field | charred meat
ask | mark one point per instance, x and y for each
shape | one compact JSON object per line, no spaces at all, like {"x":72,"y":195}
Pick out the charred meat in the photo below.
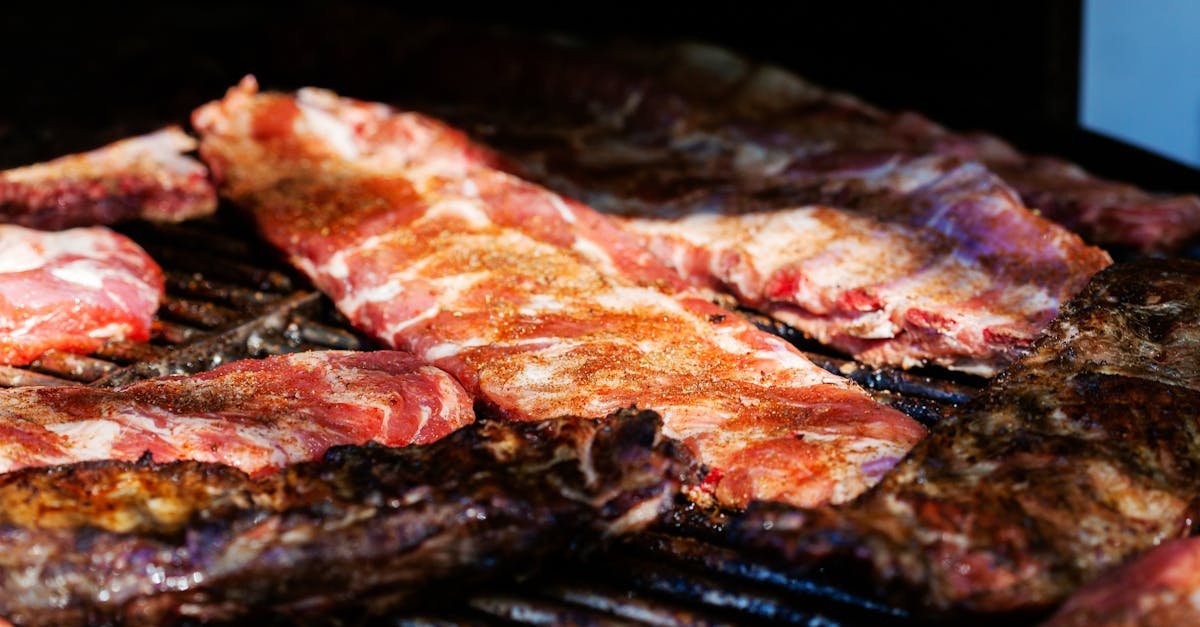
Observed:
{"x":367,"y":528}
{"x":1085,"y":453}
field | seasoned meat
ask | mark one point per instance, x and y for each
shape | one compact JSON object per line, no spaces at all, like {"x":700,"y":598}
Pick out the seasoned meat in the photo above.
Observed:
{"x":141,"y":177}
{"x":72,"y":290}
{"x":368,"y":528}
{"x":896,"y":259}
{"x":1158,"y":588}
{"x":540,"y":306}
{"x":255,"y":415}
{"x":1080,"y":456}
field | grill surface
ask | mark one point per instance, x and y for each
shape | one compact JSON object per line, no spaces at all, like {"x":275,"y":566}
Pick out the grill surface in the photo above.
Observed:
{"x":229,"y":297}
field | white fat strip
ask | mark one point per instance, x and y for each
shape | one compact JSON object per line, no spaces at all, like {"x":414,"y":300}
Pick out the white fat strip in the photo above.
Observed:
{"x":87,"y":273}
{"x":537,"y":375}
{"x":382,"y":293}
{"x":112,"y":330}
{"x":27,"y":324}
{"x":337,"y":134}
{"x":561,"y":207}
{"x":468,"y":211}
{"x":541,"y":303}
{"x":24,"y":249}
{"x":450,"y":349}
{"x":88,"y":439}
{"x":596,"y":255}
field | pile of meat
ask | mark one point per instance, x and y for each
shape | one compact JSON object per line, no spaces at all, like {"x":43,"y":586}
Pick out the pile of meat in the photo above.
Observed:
{"x":558,"y":372}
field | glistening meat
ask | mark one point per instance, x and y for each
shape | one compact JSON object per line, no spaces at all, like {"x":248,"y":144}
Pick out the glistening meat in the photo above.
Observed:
{"x":72,"y":291}
{"x":255,"y":415}
{"x":141,"y":177}
{"x":540,"y":306}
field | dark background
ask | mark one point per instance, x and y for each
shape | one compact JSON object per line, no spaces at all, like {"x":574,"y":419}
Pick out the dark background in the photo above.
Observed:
{"x":74,"y":78}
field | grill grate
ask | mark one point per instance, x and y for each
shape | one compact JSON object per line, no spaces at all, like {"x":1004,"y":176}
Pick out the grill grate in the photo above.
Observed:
{"x":229,"y":297}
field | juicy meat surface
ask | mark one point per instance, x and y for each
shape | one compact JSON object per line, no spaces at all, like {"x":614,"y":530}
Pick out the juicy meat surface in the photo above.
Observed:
{"x":141,"y":177}
{"x":72,"y":290}
{"x":1082,"y":455}
{"x":366,"y":529}
{"x":257,"y":415}
{"x":1161,"y":587}
{"x":896,"y":259}
{"x":540,"y":306}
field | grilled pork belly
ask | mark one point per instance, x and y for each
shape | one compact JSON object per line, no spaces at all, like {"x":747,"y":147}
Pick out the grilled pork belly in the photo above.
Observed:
{"x":366,"y":529}
{"x":1161,"y":587}
{"x":72,"y":291}
{"x":254,"y":415}
{"x":898,"y":259}
{"x":540,"y":306}
{"x":141,"y":177}
{"x":1080,"y":456}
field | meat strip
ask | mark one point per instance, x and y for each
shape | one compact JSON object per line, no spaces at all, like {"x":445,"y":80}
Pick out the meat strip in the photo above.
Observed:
{"x":72,"y":290}
{"x":537,"y":304}
{"x":362,"y":532}
{"x":1084,"y":454}
{"x":254,"y":415}
{"x":873,"y":247}
{"x":145,"y":177}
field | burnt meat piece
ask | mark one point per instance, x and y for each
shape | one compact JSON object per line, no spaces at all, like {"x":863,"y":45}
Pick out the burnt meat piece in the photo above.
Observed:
{"x":1082,"y":455}
{"x":367,"y":527}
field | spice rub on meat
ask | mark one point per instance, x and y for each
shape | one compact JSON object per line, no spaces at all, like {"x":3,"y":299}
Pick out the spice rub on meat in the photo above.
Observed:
{"x":540,"y":306}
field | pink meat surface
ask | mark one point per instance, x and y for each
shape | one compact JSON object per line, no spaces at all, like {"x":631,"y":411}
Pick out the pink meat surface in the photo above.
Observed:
{"x":141,"y":177}
{"x":72,"y":291}
{"x":256,"y":415}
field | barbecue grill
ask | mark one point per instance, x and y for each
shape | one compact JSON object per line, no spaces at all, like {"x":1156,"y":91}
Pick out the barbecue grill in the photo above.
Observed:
{"x":229,"y":297}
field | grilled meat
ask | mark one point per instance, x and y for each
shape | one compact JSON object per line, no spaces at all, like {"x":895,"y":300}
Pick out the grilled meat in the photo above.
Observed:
{"x":140,"y":177}
{"x":1158,"y":588}
{"x":255,"y":415}
{"x":538,"y":305}
{"x":1081,"y":455}
{"x":896,"y":259}
{"x":368,"y":528}
{"x":72,"y":290}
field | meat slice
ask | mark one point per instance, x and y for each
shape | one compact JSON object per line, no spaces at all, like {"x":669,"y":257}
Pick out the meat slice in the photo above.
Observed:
{"x":364,"y":531}
{"x":897,"y":258}
{"x":1080,"y":456}
{"x":1158,"y":588}
{"x":538,"y":305}
{"x":141,"y":177}
{"x":255,"y":415}
{"x":72,"y":291}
